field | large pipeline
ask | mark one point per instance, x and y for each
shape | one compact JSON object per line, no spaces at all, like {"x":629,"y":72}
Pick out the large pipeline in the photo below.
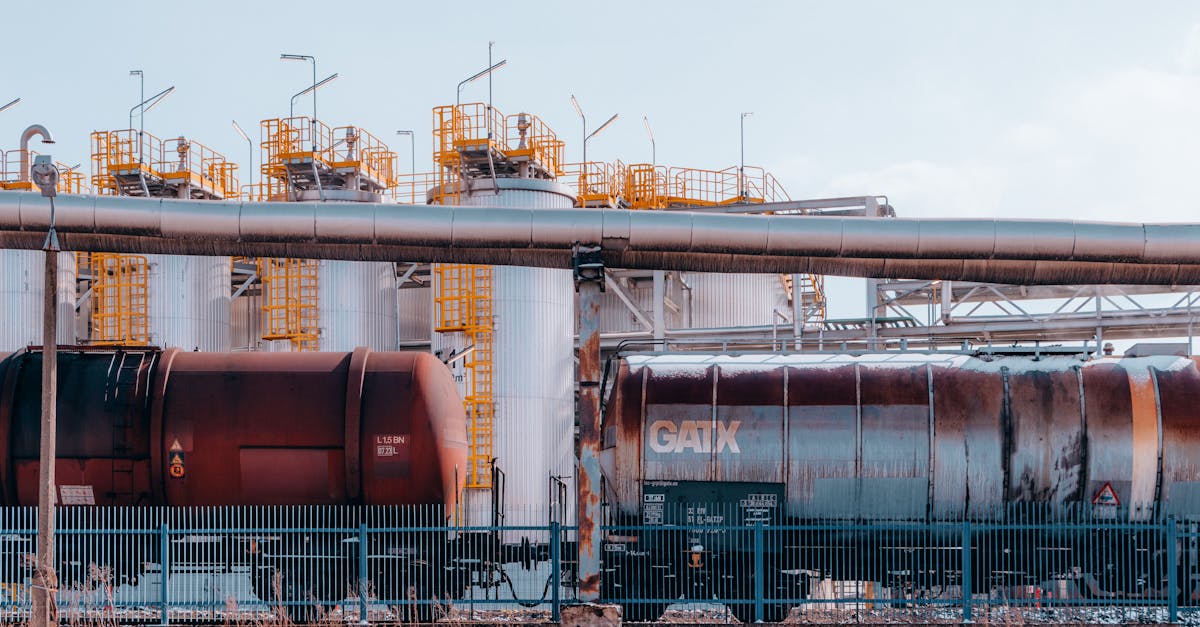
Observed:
{"x":1025,"y":252}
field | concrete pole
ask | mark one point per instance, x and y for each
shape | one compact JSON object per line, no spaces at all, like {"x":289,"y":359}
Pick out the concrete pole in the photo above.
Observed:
{"x":45,"y":583}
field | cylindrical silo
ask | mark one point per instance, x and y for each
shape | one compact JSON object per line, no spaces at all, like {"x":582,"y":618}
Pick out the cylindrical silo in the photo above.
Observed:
{"x":356,"y":305}
{"x":533,"y":358}
{"x":414,"y":308}
{"x":735,"y":300}
{"x":22,"y":278}
{"x":189,"y":302}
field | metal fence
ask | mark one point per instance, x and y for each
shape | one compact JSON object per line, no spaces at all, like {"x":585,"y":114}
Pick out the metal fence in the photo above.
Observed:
{"x":309,"y":564}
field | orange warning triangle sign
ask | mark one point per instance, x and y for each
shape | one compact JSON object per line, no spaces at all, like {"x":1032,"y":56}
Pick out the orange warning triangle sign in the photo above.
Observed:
{"x":176,"y":459}
{"x":1106,"y":496}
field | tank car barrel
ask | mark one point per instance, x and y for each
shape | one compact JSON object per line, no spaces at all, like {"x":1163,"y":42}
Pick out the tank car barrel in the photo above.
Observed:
{"x":144,"y":427}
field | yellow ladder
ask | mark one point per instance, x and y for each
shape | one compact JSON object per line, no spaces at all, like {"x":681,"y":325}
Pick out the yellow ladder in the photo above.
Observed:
{"x":119,"y":302}
{"x":810,"y":291}
{"x":289,"y":301}
{"x":463,"y":303}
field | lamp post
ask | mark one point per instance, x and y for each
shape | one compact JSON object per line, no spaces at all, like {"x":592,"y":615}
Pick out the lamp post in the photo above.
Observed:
{"x":412,"y":143}
{"x":310,"y":89}
{"x":144,"y":106}
{"x":653,"y":147}
{"x":141,"y":96}
{"x":491,"y":44}
{"x":586,"y":137}
{"x":475,"y":77}
{"x":306,"y":57}
{"x":313,"y":90}
{"x":742,"y":160}
{"x":250,"y":145}
{"x":9,"y":105}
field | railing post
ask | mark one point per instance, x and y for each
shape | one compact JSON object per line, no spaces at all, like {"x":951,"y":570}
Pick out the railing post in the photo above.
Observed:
{"x":758,"y":571}
{"x":164,"y":566}
{"x":555,"y":570}
{"x":966,"y":571}
{"x":362,"y":573}
{"x":1172,"y":571}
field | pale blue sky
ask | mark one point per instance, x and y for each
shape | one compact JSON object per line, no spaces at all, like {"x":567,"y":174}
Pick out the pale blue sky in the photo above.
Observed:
{"x":1065,"y":109}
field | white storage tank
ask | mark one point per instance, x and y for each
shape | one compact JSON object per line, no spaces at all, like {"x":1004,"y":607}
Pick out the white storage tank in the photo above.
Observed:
{"x":533,"y":360}
{"x":414,"y":310}
{"x":22,"y":279}
{"x":356,"y":305}
{"x":736,"y":300}
{"x":189,"y":302}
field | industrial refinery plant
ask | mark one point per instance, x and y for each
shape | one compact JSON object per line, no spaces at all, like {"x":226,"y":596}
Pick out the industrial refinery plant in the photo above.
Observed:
{"x":309,"y":387}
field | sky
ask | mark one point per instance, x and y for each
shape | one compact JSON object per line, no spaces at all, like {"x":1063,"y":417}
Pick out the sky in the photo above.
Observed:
{"x":1076,"y":110}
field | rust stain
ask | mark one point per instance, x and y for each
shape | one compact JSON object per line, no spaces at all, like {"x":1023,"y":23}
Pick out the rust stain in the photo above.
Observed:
{"x":1144,"y":421}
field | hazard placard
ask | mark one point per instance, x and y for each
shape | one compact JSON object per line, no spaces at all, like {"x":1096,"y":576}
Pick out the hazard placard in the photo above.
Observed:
{"x":1106,"y":496}
{"x":175,"y":466}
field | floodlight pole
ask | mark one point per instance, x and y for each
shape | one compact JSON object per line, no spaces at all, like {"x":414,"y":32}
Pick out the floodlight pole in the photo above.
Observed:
{"x":412,"y":144}
{"x":742,"y":160}
{"x":250,"y":145}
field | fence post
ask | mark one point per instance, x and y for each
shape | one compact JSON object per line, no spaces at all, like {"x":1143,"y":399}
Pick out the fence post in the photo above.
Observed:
{"x":555,"y":571}
{"x":164,"y":561}
{"x":967,"y":593}
{"x":362,"y":573}
{"x":758,"y":571}
{"x":1172,"y":571}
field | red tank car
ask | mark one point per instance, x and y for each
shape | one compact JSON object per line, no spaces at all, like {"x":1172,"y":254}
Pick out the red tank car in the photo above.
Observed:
{"x":143,"y":427}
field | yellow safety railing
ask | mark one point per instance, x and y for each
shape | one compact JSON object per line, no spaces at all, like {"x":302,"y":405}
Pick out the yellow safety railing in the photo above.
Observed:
{"x":289,"y":301}
{"x":693,"y":187}
{"x":463,"y":304}
{"x":296,"y":138}
{"x":223,"y":175}
{"x":119,"y":299}
{"x":468,"y":127}
{"x":596,"y":183}
{"x":70,"y":180}
{"x":355,"y":148}
{"x":175,"y":162}
{"x":529,"y":137}
{"x":413,"y":189}
{"x":646,"y":186}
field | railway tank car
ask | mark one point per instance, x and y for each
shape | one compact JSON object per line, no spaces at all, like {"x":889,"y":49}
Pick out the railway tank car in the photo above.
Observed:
{"x":785,"y":439}
{"x":144,"y":427}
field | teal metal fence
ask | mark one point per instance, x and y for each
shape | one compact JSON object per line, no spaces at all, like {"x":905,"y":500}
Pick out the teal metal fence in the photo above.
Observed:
{"x":382,"y":564}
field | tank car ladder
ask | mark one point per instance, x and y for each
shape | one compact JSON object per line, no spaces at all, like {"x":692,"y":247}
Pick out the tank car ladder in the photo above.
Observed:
{"x":120,"y":396}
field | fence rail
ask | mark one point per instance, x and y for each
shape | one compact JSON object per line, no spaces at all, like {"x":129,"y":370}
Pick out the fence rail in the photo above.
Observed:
{"x":381,"y":564}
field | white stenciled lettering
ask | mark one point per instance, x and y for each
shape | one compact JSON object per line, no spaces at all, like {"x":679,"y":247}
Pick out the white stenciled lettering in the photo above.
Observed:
{"x":690,"y":433}
{"x":693,"y":436}
{"x":662,"y":436}
{"x":727,"y":436}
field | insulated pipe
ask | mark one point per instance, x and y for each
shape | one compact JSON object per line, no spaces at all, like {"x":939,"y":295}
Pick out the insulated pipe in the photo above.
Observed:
{"x":26,"y":137}
{"x":1027,"y":252}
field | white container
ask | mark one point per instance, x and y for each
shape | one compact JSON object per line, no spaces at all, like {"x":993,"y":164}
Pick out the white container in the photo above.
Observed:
{"x":533,"y":361}
{"x":414,"y":306}
{"x":356,"y":305}
{"x":736,"y":300}
{"x":22,"y":279}
{"x":189,"y":302}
